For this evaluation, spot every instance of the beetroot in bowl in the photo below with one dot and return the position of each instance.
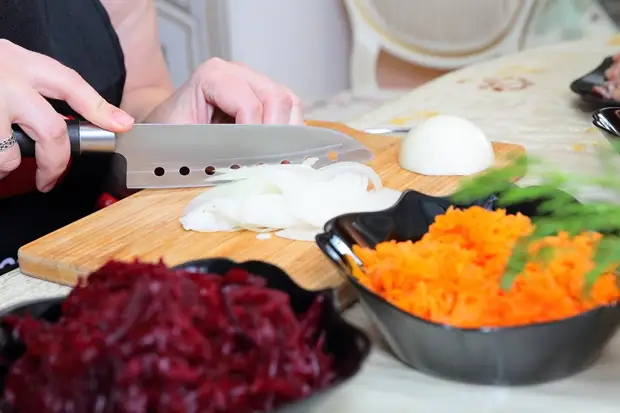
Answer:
(209, 336)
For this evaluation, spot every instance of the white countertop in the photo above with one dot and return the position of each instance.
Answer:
(546, 118)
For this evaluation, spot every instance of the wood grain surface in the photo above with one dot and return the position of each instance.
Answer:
(146, 226)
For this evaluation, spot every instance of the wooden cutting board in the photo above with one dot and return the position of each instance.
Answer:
(146, 226)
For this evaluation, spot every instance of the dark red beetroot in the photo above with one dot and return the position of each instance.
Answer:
(144, 338)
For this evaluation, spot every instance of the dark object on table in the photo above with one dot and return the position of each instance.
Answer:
(584, 86)
(501, 356)
(346, 345)
(607, 120)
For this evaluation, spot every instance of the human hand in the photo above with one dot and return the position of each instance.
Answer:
(613, 72)
(236, 90)
(26, 78)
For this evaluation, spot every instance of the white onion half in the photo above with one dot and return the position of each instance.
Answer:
(294, 201)
(446, 145)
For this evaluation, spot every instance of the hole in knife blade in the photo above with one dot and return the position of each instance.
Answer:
(184, 171)
(210, 170)
(159, 171)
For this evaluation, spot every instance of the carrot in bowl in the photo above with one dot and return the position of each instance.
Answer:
(452, 275)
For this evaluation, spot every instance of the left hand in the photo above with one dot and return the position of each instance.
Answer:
(234, 89)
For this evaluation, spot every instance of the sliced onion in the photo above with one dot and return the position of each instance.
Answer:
(266, 210)
(206, 222)
(263, 172)
(307, 234)
(353, 167)
(294, 200)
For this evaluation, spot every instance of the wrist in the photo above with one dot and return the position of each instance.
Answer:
(143, 103)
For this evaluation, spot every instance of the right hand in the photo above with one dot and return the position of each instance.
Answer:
(26, 78)
(613, 72)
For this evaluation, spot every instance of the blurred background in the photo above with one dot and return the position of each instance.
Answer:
(344, 57)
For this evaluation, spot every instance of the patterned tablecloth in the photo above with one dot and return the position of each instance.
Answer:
(535, 108)
(522, 98)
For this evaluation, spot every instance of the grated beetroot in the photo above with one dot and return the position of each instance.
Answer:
(144, 338)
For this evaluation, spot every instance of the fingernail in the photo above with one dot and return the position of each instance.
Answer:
(122, 118)
(48, 187)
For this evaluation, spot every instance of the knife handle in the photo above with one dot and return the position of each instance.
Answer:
(27, 144)
(83, 137)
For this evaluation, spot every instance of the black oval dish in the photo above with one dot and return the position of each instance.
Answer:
(585, 84)
(607, 120)
(349, 345)
(501, 356)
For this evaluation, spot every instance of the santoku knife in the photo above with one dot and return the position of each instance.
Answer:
(178, 156)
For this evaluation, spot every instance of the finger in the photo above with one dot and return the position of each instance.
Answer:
(608, 73)
(218, 116)
(277, 104)
(232, 96)
(54, 80)
(11, 157)
(47, 128)
(277, 101)
(297, 111)
(612, 72)
(241, 64)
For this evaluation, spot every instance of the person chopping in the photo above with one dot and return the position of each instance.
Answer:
(98, 61)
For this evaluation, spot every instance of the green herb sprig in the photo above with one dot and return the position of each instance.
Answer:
(558, 210)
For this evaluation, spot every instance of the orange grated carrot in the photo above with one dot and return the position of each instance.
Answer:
(452, 275)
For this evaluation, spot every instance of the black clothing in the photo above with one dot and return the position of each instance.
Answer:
(79, 34)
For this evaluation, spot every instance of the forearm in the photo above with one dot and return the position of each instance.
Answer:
(140, 102)
(148, 81)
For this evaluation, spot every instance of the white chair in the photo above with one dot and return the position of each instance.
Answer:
(449, 34)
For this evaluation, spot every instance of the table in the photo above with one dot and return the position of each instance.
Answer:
(551, 123)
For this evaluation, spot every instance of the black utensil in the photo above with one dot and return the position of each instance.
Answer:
(584, 86)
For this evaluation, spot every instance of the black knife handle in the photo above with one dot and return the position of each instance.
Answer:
(26, 143)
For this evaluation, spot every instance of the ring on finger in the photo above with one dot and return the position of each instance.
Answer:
(7, 143)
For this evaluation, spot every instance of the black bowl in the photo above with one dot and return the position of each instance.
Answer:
(607, 120)
(583, 86)
(502, 356)
(349, 345)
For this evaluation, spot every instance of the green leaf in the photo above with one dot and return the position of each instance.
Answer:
(490, 182)
(516, 194)
(606, 256)
(545, 254)
(557, 209)
(515, 265)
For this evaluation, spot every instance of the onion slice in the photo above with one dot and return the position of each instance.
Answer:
(293, 201)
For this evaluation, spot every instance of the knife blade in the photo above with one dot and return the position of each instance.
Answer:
(180, 156)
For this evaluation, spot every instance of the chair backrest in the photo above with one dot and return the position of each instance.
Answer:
(439, 27)
(449, 34)
(444, 34)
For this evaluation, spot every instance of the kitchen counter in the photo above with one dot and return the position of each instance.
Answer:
(539, 111)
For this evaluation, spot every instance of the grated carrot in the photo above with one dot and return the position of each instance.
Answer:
(452, 275)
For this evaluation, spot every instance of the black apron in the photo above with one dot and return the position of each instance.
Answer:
(79, 34)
